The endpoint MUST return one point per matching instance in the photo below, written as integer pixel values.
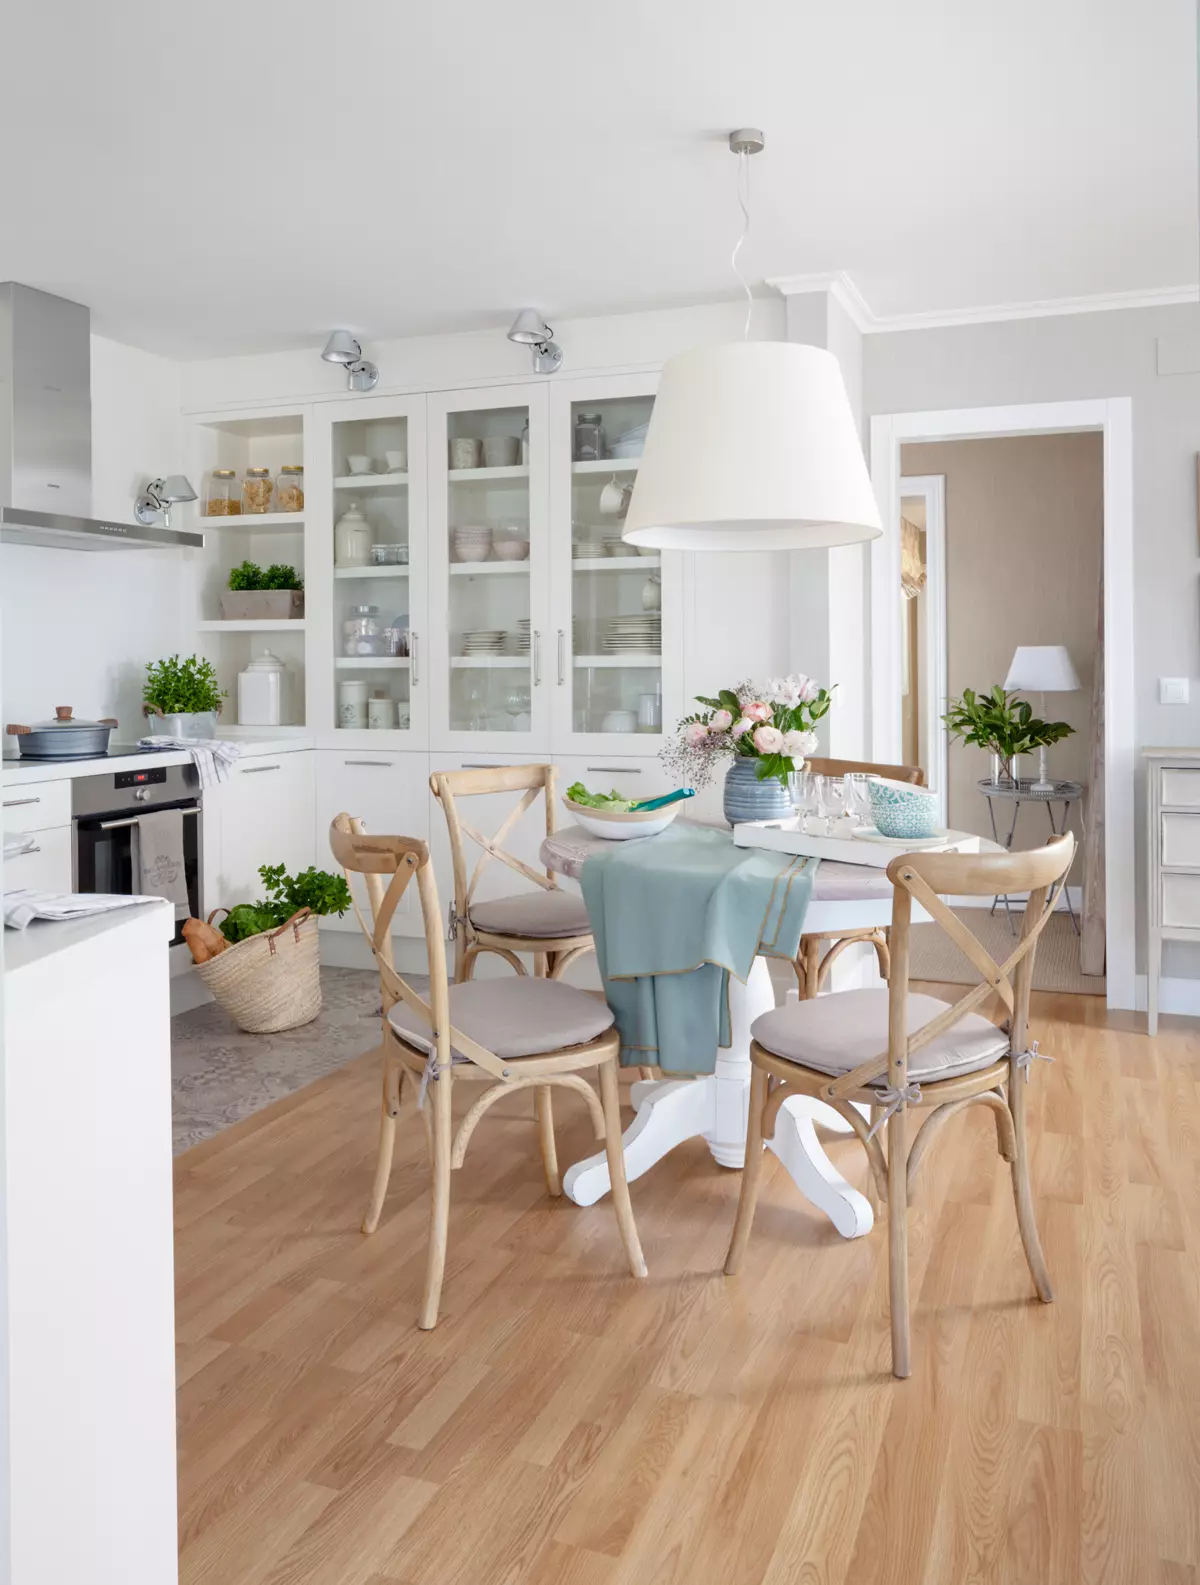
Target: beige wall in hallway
(1024, 545)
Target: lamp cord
(743, 198)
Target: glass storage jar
(222, 498)
(257, 490)
(589, 437)
(289, 488)
(362, 631)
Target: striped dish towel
(211, 756)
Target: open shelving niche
(268, 440)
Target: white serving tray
(785, 836)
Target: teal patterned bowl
(902, 810)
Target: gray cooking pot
(63, 738)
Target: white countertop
(42, 939)
(17, 771)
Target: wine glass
(799, 785)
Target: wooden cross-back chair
(896, 1051)
(548, 922)
(812, 969)
(519, 1034)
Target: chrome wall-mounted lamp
(343, 348)
(529, 329)
(159, 496)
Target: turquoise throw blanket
(673, 917)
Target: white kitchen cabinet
(46, 867)
(389, 792)
(264, 814)
(35, 806)
(489, 617)
(617, 615)
(389, 432)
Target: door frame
(1112, 417)
(933, 737)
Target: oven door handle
(114, 825)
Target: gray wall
(1069, 358)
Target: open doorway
(923, 630)
(1025, 577)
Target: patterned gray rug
(220, 1075)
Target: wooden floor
(566, 1426)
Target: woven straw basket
(270, 981)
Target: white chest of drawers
(1173, 859)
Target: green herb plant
(182, 687)
(248, 575)
(312, 888)
(1001, 723)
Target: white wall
(78, 627)
(1094, 355)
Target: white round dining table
(715, 1107)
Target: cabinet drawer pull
(24, 852)
(257, 770)
(478, 764)
(375, 764)
(17, 803)
(616, 770)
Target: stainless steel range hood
(46, 431)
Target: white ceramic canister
(352, 704)
(381, 714)
(352, 538)
(261, 690)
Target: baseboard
(1174, 996)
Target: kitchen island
(87, 1384)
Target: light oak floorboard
(565, 1425)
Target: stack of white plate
(519, 641)
(632, 443)
(587, 550)
(484, 641)
(633, 634)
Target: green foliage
(181, 687)
(312, 888)
(1001, 723)
(250, 576)
(578, 794)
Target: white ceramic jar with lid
(352, 538)
(261, 692)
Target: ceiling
(224, 178)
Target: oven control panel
(140, 778)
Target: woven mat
(1056, 967)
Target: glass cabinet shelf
(632, 563)
(608, 465)
(370, 572)
(518, 473)
(371, 481)
(371, 662)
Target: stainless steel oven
(105, 812)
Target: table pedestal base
(715, 1108)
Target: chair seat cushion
(837, 1032)
(542, 915)
(514, 1017)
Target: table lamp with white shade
(1042, 668)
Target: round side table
(1018, 792)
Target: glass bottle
(589, 437)
(222, 498)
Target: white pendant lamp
(751, 446)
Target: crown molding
(840, 286)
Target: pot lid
(64, 716)
(265, 662)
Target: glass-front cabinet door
(367, 617)
(618, 635)
(489, 569)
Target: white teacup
(397, 461)
(614, 498)
(359, 464)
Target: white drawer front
(47, 868)
(1181, 901)
(1180, 788)
(35, 806)
(1181, 840)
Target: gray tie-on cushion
(514, 1017)
(541, 915)
(837, 1032)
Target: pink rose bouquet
(770, 722)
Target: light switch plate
(1172, 690)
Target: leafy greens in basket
(578, 794)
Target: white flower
(695, 732)
(721, 721)
(768, 740)
(799, 744)
(740, 728)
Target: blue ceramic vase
(747, 798)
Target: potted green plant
(182, 698)
(1004, 725)
(254, 595)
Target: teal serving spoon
(661, 803)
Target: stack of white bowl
(472, 544)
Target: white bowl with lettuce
(617, 819)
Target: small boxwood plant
(182, 687)
(248, 575)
